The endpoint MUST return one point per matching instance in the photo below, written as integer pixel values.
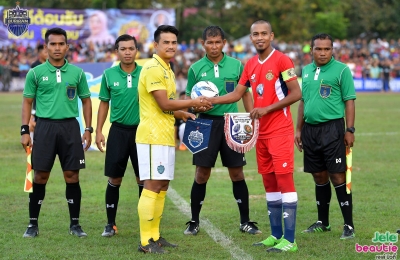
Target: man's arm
(173, 105)
(101, 118)
(350, 119)
(248, 101)
(87, 115)
(293, 96)
(25, 117)
(299, 126)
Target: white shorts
(156, 162)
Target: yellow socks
(158, 211)
(146, 210)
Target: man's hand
(202, 103)
(87, 139)
(187, 115)
(297, 141)
(26, 141)
(349, 139)
(100, 141)
(258, 112)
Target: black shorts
(61, 137)
(323, 147)
(120, 146)
(217, 143)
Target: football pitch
(376, 167)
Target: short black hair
(165, 29)
(213, 31)
(321, 36)
(57, 31)
(182, 93)
(40, 47)
(124, 38)
(263, 21)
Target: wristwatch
(90, 129)
(351, 129)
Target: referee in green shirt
(328, 96)
(120, 86)
(224, 72)
(56, 85)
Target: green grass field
(376, 168)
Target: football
(204, 88)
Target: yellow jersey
(156, 126)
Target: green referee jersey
(56, 90)
(325, 90)
(225, 75)
(122, 89)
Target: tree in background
(291, 20)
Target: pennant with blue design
(197, 134)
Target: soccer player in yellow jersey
(155, 139)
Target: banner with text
(375, 85)
(89, 25)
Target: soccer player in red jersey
(274, 83)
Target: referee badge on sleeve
(241, 132)
(71, 92)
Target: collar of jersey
(221, 63)
(124, 74)
(53, 69)
(162, 62)
(326, 66)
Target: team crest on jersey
(229, 86)
(269, 75)
(260, 89)
(71, 92)
(325, 91)
(161, 169)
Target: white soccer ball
(204, 88)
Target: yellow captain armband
(288, 74)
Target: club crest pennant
(197, 134)
(241, 132)
(17, 20)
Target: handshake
(201, 104)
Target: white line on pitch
(212, 231)
(377, 133)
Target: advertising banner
(87, 25)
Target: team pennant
(241, 132)
(197, 134)
(28, 187)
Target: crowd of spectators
(376, 58)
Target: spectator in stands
(41, 56)
(386, 66)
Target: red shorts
(275, 155)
